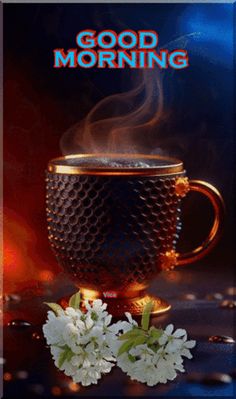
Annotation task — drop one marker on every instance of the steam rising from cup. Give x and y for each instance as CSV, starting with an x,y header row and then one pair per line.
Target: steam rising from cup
x,y
119,123
128,122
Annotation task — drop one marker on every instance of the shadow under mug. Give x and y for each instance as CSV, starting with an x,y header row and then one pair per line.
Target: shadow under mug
x,y
114,222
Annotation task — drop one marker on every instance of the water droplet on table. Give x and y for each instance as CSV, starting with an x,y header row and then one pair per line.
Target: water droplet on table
x,y
7,376
221,339
22,374
231,291
228,304
19,324
36,336
73,387
37,389
56,391
215,296
188,297
195,377
217,379
11,298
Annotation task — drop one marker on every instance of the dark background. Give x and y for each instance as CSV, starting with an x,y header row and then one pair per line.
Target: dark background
x,y
40,103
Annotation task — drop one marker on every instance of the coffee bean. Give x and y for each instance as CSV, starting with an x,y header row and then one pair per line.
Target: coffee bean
x,y
228,304
216,379
221,339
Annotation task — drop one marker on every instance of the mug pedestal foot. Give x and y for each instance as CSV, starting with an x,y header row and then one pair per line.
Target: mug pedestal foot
x,y
118,306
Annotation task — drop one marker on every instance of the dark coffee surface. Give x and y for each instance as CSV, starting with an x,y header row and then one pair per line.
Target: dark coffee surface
x,y
107,162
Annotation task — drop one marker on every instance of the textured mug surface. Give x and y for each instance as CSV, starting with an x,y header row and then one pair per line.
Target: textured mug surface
x,y
110,232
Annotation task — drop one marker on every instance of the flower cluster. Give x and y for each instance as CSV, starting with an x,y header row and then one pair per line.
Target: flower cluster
x,y
79,340
153,356
85,345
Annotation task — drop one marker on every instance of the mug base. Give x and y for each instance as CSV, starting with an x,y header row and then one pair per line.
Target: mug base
x,y
118,306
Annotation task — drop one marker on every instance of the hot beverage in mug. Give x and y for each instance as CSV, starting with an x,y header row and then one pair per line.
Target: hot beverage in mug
x,y
114,222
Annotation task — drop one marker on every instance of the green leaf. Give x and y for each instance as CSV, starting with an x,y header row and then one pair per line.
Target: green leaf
x,y
62,358
94,316
152,340
154,347
70,355
131,358
154,335
139,341
136,332
74,301
156,332
125,347
64,347
146,315
65,355
55,307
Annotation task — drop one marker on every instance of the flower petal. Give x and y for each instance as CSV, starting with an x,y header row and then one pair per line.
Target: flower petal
x,y
169,329
190,344
180,332
129,317
186,353
163,339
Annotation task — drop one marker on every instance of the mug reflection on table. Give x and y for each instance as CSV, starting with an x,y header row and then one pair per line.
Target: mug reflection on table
x,y
114,222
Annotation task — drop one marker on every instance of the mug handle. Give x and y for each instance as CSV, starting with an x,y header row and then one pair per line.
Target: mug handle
x,y
219,210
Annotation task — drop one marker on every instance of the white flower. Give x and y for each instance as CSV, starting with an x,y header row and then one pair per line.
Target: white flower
x,y
54,327
114,330
126,326
159,361
85,345
166,334
186,345
142,351
74,313
79,341
166,370
145,372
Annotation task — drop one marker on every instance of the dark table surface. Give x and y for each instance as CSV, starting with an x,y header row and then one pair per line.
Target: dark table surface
x,y
29,370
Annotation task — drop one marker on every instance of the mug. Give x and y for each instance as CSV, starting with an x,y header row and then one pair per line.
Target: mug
x,y
114,222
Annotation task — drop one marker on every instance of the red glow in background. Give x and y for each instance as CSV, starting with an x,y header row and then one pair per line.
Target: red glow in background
x,y
28,143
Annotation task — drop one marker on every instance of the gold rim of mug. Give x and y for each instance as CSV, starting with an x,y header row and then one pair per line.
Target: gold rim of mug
x,y
174,166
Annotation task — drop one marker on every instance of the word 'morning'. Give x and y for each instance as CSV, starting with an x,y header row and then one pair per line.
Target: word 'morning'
x,y
177,59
